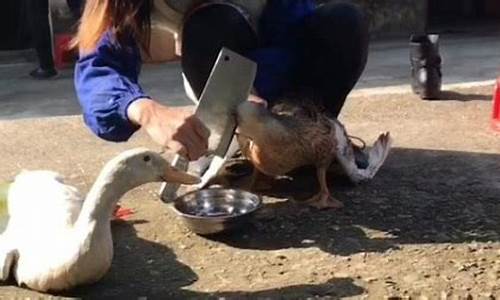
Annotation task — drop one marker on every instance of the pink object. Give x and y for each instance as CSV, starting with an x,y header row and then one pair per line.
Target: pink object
x,y
495,120
122,214
63,55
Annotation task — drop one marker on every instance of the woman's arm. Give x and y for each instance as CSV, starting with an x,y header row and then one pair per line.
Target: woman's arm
x,y
106,82
115,106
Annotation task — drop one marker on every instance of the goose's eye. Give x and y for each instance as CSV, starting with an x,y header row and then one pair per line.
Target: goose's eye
x,y
147,158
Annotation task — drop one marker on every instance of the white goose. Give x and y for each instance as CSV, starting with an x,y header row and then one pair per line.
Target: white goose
x,y
54,239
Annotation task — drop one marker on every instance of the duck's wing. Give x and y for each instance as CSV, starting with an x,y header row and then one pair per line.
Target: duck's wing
x,y
43,200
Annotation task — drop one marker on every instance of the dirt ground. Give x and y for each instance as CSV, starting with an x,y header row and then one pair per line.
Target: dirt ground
x,y
427,227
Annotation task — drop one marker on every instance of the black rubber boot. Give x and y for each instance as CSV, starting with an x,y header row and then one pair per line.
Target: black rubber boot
x,y
425,66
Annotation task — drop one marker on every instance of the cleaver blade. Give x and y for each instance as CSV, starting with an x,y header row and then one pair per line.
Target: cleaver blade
x,y
228,85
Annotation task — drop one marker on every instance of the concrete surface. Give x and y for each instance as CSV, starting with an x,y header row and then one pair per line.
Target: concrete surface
x,y
469,58
466,59
427,227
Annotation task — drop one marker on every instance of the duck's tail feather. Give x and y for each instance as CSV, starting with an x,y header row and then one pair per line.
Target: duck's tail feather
x,y
376,156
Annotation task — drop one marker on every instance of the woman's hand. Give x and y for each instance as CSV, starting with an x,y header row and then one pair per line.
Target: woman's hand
x,y
175,128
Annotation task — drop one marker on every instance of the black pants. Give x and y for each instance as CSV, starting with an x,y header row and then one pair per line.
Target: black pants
x,y
40,31
334,45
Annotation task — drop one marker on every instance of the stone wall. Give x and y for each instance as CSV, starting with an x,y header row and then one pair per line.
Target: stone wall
x,y
387,17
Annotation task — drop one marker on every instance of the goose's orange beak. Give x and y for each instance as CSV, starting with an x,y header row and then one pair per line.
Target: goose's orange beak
x,y
175,175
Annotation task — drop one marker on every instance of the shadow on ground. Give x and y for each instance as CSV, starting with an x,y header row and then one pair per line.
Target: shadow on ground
x,y
143,268
419,196
456,96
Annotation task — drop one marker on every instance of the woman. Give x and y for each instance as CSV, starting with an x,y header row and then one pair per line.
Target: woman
x,y
295,44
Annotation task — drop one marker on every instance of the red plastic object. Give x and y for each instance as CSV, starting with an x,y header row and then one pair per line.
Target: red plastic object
x,y
122,214
63,55
495,120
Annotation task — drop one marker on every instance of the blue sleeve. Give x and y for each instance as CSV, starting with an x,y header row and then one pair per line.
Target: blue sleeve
x,y
106,83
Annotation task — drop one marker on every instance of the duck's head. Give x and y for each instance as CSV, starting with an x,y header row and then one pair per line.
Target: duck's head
x,y
251,117
257,123
139,166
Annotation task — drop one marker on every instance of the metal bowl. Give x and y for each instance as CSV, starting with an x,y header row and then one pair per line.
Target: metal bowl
x,y
212,211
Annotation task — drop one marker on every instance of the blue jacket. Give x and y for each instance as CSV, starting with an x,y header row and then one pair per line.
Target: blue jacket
x,y
107,80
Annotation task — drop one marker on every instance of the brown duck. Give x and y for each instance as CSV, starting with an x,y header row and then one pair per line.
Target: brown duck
x,y
289,136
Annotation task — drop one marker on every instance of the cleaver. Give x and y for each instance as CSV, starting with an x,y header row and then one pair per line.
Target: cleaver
x,y
228,85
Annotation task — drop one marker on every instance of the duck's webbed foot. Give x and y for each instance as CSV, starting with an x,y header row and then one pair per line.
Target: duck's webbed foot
x,y
323,200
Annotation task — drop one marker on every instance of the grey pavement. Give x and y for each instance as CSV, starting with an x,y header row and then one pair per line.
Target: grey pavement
x,y
467,58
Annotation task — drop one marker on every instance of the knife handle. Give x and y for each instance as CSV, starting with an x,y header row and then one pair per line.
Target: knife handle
x,y
168,191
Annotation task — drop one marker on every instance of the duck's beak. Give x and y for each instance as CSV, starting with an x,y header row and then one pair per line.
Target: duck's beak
x,y
174,175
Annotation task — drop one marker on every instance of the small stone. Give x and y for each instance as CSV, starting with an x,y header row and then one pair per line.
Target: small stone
x,y
371,279
488,296
445,295
473,247
390,282
150,261
467,266
308,242
282,257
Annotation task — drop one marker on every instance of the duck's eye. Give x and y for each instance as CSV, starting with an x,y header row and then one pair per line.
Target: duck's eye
x,y
147,158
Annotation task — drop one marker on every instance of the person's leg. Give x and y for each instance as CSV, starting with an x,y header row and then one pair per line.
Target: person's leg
x,y
335,53
206,30
41,33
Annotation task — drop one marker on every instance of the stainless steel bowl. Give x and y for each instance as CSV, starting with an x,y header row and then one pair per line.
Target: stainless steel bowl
x,y
212,211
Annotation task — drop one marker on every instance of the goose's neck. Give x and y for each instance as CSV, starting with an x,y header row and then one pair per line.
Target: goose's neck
x,y
103,196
